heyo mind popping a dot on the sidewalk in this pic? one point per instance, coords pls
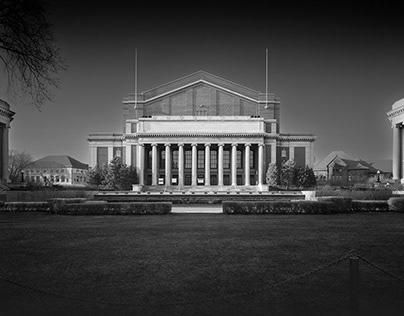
(197, 208)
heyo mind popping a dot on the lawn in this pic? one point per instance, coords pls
(198, 264)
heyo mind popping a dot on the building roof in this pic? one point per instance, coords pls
(345, 160)
(322, 164)
(202, 77)
(63, 161)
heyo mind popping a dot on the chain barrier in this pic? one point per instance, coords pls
(193, 302)
(380, 268)
(351, 254)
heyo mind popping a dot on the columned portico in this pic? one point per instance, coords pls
(396, 116)
(227, 164)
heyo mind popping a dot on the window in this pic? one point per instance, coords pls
(283, 152)
(188, 159)
(201, 159)
(213, 159)
(175, 159)
(226, 159)
(239, 159)
(162, 159)
(252, 159)
(149, 160)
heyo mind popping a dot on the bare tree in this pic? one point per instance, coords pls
(28, 51)
(17, 162)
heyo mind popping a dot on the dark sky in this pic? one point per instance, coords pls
(337, 67)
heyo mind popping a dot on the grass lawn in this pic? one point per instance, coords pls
(198, 264)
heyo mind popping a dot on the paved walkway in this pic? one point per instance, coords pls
(197, 208)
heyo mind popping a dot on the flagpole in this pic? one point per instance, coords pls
(135, 78)
(266, 78)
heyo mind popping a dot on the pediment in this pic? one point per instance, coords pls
(200, 78)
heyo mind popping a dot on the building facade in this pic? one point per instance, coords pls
(56, 170)
(6, 116)
(338, 167)
(201, 130)
(396, 117)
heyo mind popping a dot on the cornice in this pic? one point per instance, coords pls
(396, 112)
(137, 135)
(291, 138)
(6, 112)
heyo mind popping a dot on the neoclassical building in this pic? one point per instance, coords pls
(396, 117)
(6, 116)
(201, 130)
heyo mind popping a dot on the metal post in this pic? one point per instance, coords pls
(354, 283)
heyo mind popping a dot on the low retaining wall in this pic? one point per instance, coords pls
(197, 197)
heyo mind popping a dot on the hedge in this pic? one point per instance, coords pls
(340, 204)
(104, 208)
(369, 206)
(25, 207)
(277, 207)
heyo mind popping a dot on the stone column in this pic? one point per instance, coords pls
(194, 166)
(110, 153)
(247, 164)
(260, 163)
(181, 164)
(168, 164)
(93, 156)
(233, 164)
(292, 153)
(154, 164)
(4, 158)
(273, 152)
(128, 154)
(397, 152)
(140, 163)
(220, 165)
(207, 164)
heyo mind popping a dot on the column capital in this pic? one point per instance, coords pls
(167, 144)
(261, 145)
(220, 144)
(234, 145)
(247, 145)
(140, 144)
(154, 144)
(194, 144)
(181, 145)
(207, 145)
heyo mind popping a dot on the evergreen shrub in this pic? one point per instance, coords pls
(396, 204)
(133, 208)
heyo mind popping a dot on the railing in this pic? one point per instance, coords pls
(354, 272)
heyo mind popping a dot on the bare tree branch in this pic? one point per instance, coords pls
(28, 48)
